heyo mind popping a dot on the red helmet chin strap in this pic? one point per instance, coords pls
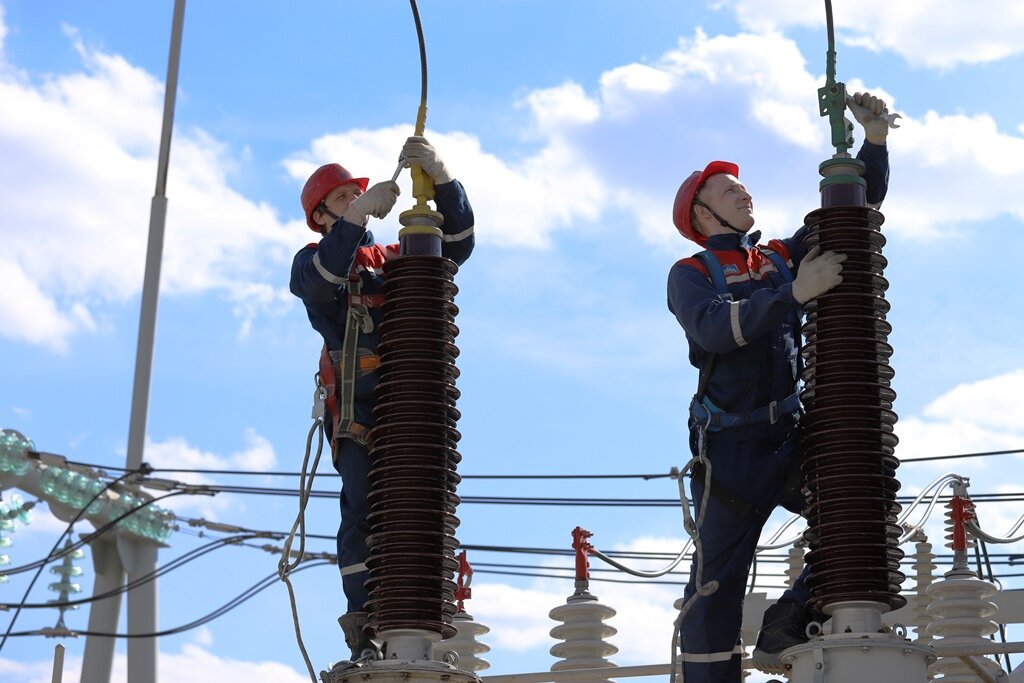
(724, 223)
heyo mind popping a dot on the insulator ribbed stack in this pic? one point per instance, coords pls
(794, 562)
(961, 616)
(924, 574)
(413, 481)
(848, 438)
(465, 644)
(583, 634)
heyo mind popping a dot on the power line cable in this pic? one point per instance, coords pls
(174, 564)
(240, 599)
(661, 475)
(51, 555)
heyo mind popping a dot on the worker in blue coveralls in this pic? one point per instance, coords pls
(339, 280)
(744, 417)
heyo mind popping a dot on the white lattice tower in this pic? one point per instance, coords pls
(924, 574)
(795, 562)
(465, 644)
(583, 634)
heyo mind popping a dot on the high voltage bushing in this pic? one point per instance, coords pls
(413, 479)
(848, 439)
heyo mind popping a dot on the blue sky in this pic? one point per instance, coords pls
(571, 125)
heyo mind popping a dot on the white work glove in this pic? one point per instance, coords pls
(377, 201)
(818, 273)
(417, 151)
(866, 108)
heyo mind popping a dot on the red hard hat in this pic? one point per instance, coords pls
(682, 209)
(321, 183)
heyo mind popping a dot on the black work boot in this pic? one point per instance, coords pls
(784, 626)
(358, 637)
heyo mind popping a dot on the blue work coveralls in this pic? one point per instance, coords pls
(319, 277)
(755, 339)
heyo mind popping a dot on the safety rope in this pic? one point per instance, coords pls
(285, 566)
(692, 528)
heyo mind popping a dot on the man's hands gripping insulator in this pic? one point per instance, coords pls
(818, 273)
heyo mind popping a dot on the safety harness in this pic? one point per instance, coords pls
(711, 418)
(339, 368)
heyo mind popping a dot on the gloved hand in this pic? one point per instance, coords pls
(818, 273)
(377, 201)
(866, 109)
(421, 153)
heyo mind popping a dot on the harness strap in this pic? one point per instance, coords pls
(735, 503)
(355, 321)
(706, 412)
(368, 300)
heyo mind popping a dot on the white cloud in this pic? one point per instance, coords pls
(77, 168)
(715, 97)
(259, 456)
(970, 418)
(932, 33)
(515, 203)
(996, 403)
(177, 453)
(194, 663)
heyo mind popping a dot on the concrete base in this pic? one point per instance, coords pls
(858, 657)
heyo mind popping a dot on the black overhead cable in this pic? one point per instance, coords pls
(1016, 496)
(241, 598)
(661, 475)
(176, 563)
(54, 553)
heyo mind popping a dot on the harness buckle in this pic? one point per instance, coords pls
(773, 412)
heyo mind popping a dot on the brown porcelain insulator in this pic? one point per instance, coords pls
(413, 478)
(848, 440)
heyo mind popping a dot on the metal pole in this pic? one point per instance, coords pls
(139, 558)
(103, 614)
(58, 664)
(142, 604)
(154, 256)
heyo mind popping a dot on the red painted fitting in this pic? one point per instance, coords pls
(961, 513)
(582, 548)
(463, 590)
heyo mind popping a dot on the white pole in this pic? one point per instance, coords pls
(139, 557)
(103, 614)
(154, 256)
(142, 601)
(58, 664)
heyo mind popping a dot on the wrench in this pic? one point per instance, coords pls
(889, 118)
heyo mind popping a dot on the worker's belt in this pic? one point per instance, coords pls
(704, 412)
(366, 363)
(368, 300)
(727, 498)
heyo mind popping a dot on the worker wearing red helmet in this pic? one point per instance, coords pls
(339, 279)
(739, 304)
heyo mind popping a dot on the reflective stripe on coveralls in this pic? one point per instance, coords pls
(711, 417)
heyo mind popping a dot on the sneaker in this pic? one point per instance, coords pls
(784, 626)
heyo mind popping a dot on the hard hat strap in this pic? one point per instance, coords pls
(724, 223)
(323, 209)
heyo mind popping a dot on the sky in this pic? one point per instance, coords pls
(571, 126)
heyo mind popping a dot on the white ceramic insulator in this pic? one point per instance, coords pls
(583, 634)
(924, 574)
(795, 564)
(465, 644)
(961, 616)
